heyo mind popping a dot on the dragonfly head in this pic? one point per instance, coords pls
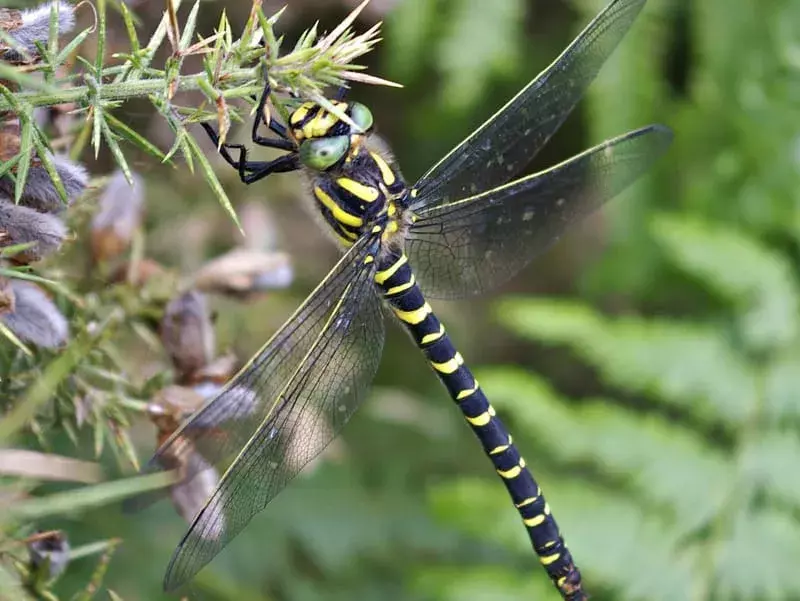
(325, 139)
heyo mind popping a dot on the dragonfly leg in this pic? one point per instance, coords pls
(250, 171)
(282, 164)
(283, 142)
(341, 93)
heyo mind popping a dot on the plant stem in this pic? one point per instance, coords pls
(123, 90)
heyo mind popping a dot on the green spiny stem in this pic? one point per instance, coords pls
(120, 91)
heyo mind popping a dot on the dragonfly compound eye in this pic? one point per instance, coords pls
(323, 153)
(361, 115)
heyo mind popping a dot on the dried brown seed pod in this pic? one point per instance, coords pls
(29, 26)
(7, 299)
(21, 225)
(120, 214)
(10, 132)
(35, 318)
(49, 551)
(143, 271)
(219, 371)
(243, 273)
(188, 334)
(197, 478)
(260, 230)
(40, 193)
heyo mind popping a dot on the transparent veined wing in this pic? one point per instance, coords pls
(474, 244)
(504, 145)
(284, 407)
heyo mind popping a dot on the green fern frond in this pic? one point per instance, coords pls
(692, 367)
(757, 281)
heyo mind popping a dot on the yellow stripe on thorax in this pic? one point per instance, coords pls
(359, 190)
(301, 113)
(386, 172)
(338, 213)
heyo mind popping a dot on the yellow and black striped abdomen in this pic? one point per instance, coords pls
(395, 278)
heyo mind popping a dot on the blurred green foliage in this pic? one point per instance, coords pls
(653, 391)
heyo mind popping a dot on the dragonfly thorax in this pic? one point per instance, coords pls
(364, 193)
(354, 181)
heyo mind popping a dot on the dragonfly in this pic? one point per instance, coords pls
(466, 226)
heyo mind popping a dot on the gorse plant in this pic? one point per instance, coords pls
(62, 368)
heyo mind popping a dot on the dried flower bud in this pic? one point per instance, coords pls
(29, 26)
(10, 132)
(258, 225)
(196, 477)
(120, 214)
(21, 225)
(188, 334)
(35, 318)
(190, 493)
(219, 371)
(7, 299)
(243, 273)
(144, 271)
(41, 194)
(49, 551)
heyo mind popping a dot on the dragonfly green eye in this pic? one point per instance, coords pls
(361, 115)
(323, 153)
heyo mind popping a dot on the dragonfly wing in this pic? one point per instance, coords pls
(504, 145)
(298, 392)
(472, 245)
(219, 429)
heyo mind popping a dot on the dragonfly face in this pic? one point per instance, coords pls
(354, 181)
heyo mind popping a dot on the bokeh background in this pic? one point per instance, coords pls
(648, 365)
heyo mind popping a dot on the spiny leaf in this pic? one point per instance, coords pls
(85, 498)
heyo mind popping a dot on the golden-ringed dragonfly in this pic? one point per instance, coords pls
(466, 226)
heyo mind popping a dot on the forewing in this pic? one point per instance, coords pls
(504, 145)
(473, 245)
(307, 411)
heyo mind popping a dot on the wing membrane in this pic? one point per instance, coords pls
(304, 386)
(504, 145)
(472, 245)
(223, 425)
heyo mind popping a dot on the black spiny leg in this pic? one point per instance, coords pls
(251, 171)
(341, 93)
(284, 143)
